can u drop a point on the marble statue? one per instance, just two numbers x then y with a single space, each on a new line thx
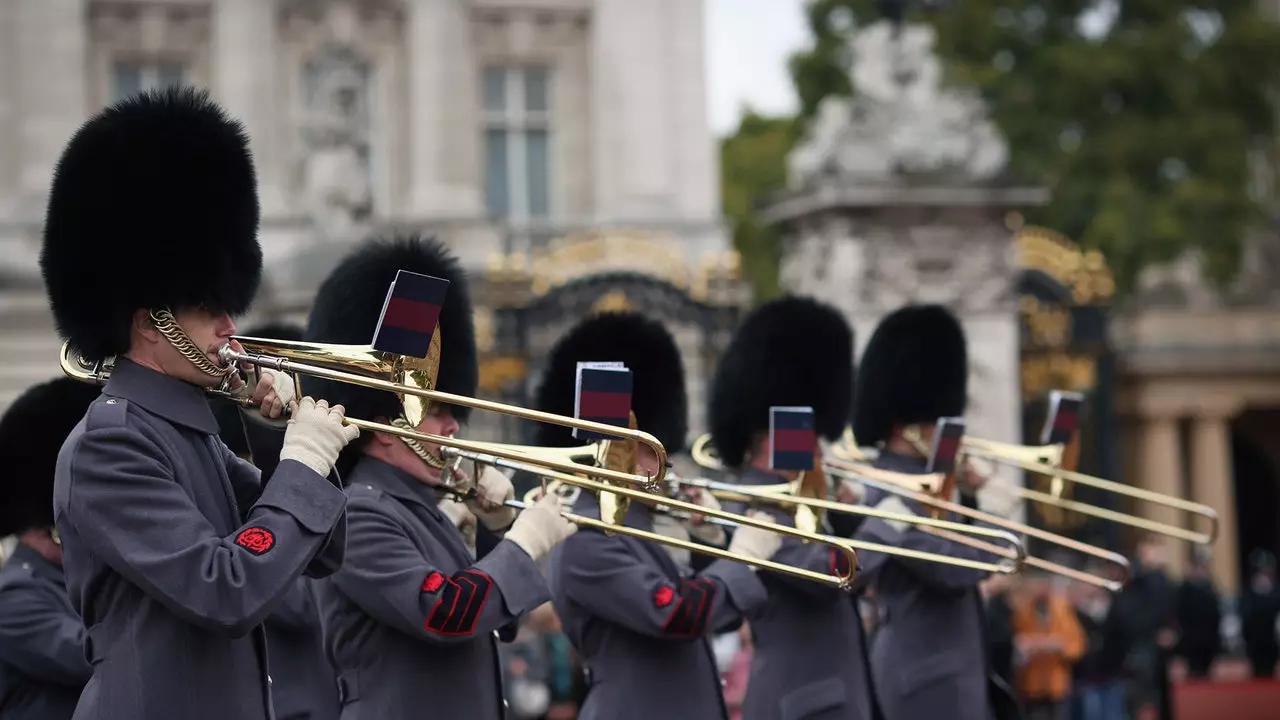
336 135
901 120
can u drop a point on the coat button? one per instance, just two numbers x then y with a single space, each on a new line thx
269 680
496 635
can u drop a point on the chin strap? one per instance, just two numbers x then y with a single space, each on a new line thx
426 457
168 326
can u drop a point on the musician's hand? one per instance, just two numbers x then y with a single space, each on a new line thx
698 525
849 493
969 479
492 490
273 393
316 435
462 519
755 542
541 527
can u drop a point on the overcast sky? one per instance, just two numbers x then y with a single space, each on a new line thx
748 42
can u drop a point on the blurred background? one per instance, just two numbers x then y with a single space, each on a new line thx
1089 184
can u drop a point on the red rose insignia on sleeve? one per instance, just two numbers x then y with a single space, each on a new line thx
256 540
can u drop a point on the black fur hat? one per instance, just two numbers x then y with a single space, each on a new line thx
915 369
657 374
154 204
32 432
276 331
790 351
349 302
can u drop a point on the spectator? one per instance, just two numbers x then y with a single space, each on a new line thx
1098 680
1146 607
1199 611
739 672
1259 608
1047 643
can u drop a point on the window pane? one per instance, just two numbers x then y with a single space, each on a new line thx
169 74
495 89
535 90
537 144
496 174
126 80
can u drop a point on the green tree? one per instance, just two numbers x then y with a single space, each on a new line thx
1145 117
752 165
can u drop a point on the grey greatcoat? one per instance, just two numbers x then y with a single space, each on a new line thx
640 626
929 655
809 659
42 663
302 682
412 621
175 552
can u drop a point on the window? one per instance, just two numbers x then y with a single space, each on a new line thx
131 77
517 143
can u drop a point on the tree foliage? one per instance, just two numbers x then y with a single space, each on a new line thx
752 165
1148 119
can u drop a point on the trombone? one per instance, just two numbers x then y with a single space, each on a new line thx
921 489
408 377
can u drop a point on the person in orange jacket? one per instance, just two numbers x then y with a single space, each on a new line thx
1048 641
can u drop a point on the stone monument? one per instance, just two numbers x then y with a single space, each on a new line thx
900 195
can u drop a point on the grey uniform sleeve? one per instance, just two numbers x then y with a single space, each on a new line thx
124 502
811 556
937 575
39 637
298 612
603 576
246 480
388 577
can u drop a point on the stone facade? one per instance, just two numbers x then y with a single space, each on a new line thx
371 114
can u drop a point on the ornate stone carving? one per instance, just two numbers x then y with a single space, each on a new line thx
902 121
936 264
335 131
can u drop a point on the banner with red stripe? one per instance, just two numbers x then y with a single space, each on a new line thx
791 438
410 314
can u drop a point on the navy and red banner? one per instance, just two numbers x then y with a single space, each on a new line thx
1063 422
603 396
410 314
791 438
946 445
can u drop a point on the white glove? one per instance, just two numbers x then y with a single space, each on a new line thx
282 384
316 435
493 488
668 526
755 542
850 493
541 527
462 519
705 531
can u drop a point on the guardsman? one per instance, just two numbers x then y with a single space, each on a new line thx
42 661
640 622
175 550
412 620
303 686
809 657
929 657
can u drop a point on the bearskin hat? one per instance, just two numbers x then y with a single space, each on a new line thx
791 351
276 331
32 432
915 369
349 303
657 375
154 204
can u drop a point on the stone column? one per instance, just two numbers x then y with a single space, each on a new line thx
1161 471
52 96
244 75
437 47
1213 484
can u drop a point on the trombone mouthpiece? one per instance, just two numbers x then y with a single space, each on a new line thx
227 354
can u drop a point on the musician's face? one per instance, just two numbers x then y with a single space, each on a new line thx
209 331
438 421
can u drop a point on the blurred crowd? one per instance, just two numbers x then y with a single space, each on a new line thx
1068 649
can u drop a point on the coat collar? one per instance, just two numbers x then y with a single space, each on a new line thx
28 559
177 401
756 476
394 481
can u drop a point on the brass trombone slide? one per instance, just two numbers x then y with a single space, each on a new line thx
841 581
780 495
1047 460
373 362
912 487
